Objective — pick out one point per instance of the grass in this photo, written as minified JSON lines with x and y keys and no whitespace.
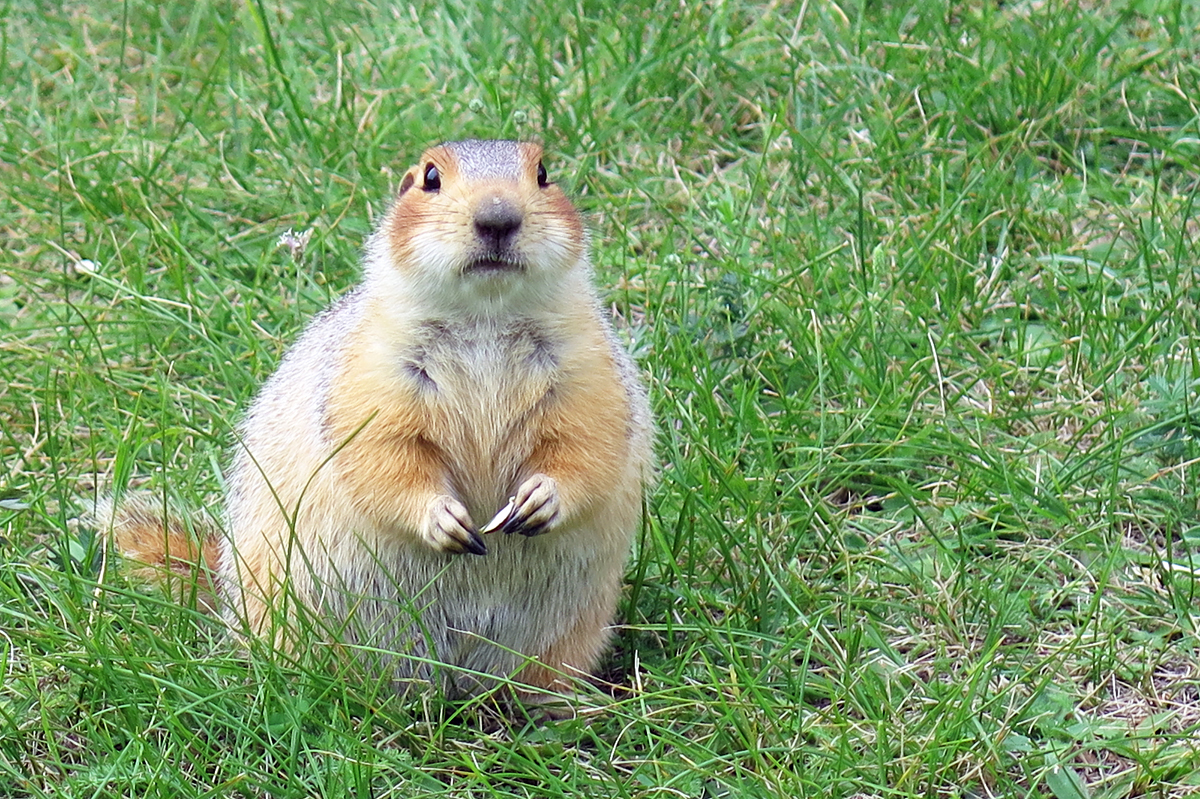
{"x":915,"y":291}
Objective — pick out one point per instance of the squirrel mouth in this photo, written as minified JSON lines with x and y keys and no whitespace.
{"x":493,"y":265}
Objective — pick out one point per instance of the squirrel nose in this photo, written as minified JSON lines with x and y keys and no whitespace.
{"x":496,"y":221}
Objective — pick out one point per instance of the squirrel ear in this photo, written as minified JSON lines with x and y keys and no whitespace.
{"x":406,"y":184}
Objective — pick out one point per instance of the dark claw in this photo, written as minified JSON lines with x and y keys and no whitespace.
{"x":475,"y":544}
{"x":527,"y":530}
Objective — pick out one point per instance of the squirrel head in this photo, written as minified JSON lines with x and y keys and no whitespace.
{"x":478,"y":225}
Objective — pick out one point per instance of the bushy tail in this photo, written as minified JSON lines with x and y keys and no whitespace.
{"x":176,"y":551}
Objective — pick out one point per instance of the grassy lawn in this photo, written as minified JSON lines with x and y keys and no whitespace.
{"x":916,"y":293}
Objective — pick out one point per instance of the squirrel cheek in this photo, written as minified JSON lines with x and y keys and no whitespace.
{"x":434,"y":256}
{"x":561,"y":245}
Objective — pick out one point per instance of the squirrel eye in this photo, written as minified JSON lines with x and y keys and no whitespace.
{"x":433,"y":179}
{"x":542,"y":180}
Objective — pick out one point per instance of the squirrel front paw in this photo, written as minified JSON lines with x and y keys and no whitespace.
{"x":533,"y":510}
{"x":449,"y":528}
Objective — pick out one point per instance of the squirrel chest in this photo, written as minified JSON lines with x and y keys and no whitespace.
{"x":475,"y":395}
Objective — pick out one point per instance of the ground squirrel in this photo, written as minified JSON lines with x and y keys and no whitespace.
{"x":448,"y":466}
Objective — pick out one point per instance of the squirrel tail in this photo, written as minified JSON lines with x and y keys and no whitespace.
{"x":176,"y":551}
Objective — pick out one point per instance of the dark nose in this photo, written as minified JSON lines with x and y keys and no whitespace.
{"x":497,"y":220}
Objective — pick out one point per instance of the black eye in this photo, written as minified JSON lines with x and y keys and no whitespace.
{"x":542,"y":181}
{"x":433,"y":179}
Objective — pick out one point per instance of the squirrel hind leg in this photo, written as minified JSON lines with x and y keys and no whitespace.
{"x":552,"y":681}
{"x":160,"y":545}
